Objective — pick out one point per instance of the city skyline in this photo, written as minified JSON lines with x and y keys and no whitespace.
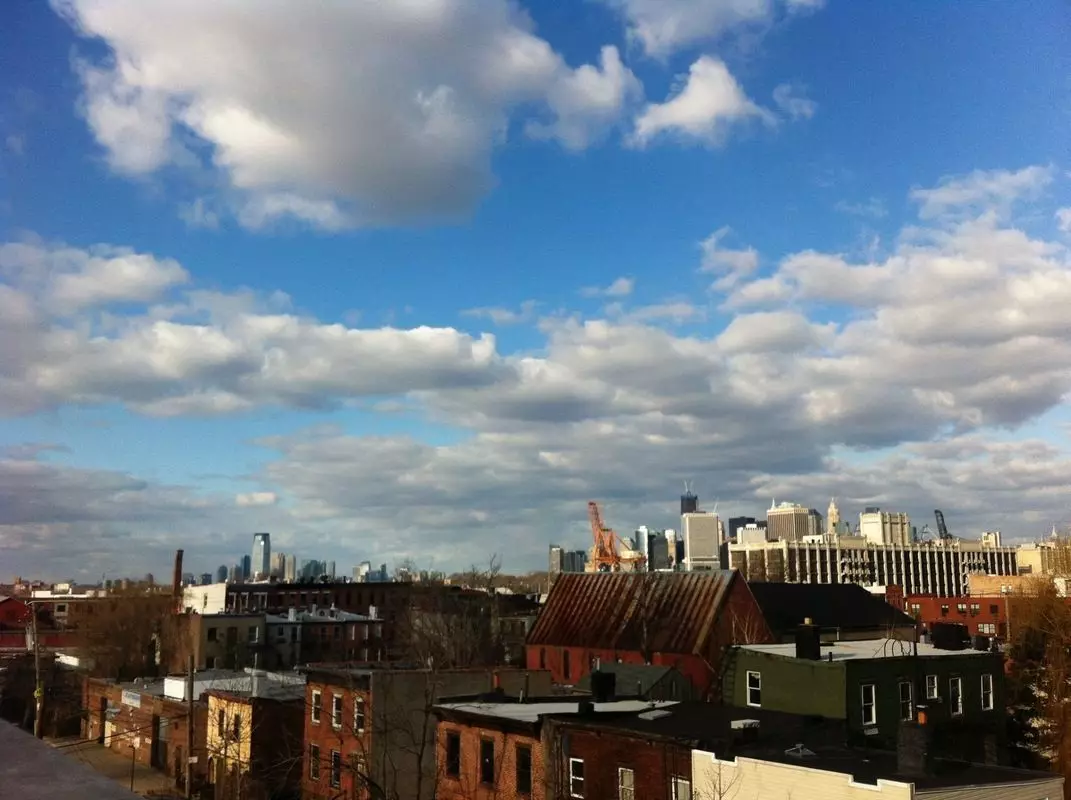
{"x":798,"y":250}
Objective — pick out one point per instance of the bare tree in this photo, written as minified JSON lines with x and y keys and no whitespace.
{"x":125,"y":633}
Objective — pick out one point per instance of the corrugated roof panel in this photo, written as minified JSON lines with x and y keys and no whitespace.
{"x":671,"y":612}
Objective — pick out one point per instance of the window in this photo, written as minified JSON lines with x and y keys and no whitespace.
{"x":336,"y":769}
{"x":576,"y":777}
{"x":336,"y":711}
{"x":566,"y":666}
{"x":944,"y":611}
{"x":487,"y":762}
{"x":961,"y":608}
{"x":955,"y":696}
{"x":682,"y":788}
{"x":931,"y":687}
{"x":542,"y":658}
{"x":987,"y":692}
{"x":994,"y":609}
{"x":626,"y":784}
{"x":869,"y":704}
{"x":976,"y":608}
{"x":453,"y":754}
{"x":254,"y":634}
{"x":221,"y":724}
{"x":236,"y":727}
{"x":754,"y":689}
{"x":360,"y":769}
{"x":317,"y":701}
{"x":314,"y":762}
{"x":524,"y":769}
{"x":358,"y":714}
{"x":211,"y":636}
{"x":907,"y":705}
{"x":988,"y":628}
{"x":915,"y":609}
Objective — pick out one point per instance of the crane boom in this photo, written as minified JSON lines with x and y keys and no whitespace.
{"x":605,"y":552}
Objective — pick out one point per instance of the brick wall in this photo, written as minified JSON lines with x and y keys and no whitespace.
{"x":467,"y":785}
{"x":604,"y":754}
{"x":354,"y":747}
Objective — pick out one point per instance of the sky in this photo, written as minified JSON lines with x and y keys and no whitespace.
{"x":417,"y":280}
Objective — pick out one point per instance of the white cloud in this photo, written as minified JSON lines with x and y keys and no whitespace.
{"x":199,"y":214}
{"x":995,"y":189}
{"x":703,"y":109}
{"x":731,"y":266}
{"x":792,"y":101}
{"x":620,"y":287}
{"x":334,"y":114}
{"x":1063,"y":219}
{"x":873,"y":208}
{"x":256,"y":499}
{"x":665,"y":26}
{"x":505,"y":316}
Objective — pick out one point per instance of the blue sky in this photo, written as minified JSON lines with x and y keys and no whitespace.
{"x":470,"y":160}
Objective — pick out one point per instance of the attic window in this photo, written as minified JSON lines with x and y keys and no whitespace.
{"x":799,"y":751}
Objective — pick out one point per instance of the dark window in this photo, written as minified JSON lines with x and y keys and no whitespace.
{"x":542,"y":658}
{"x":487,"y":761}
{"x":221,"y":724}
{"x":237,"y":727}
{"x":453,"y":754}
{"x":907,"y":705}
{"x":944,"y":611}
{"x":524,"y":769}
{"x":314,"y":762}
{"x":576,"y":777}
{"x":211,"y":634}
{"x":358,"y":714}
{"x":994,"y":610}
{"x":336,"y":768}
{"x":566,"y":665}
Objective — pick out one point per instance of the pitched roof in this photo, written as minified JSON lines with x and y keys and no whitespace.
{"x":629,"y":676}
{"x":845,"y":606}
{"x":673,"y":611}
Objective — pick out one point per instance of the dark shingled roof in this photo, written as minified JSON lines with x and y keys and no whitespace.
{"x":628,"y":676}
{"x":843,"y":606}
{"x":609,"y":611}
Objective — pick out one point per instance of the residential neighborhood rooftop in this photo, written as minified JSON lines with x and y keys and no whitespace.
{"x":532,"y":712}
{"x":863,"y":649}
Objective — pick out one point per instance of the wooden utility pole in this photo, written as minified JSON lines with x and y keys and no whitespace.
{"x":39,"y":689}
{"x":189,"y":726}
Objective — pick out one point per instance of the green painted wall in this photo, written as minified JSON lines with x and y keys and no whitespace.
{"x":789,"y":684}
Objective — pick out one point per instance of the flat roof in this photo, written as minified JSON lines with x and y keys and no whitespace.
{"x":34,"y":770}
{"x":531,"y":712}
{"x":864,"y":649}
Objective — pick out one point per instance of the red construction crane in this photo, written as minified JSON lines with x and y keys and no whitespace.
{"x":605,"y":556}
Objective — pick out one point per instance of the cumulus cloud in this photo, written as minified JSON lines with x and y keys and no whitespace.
{"x":664,"y":26}
{"x":703,"y":109}
{"x":1063,"y":219}
{"x":333,"y":114}
{"x":731,"y":266}
{"x":872,"y":208}
{"x":256,"y":499}
{"x":505,"y":316}
{"x":793,"y":102}
{"x":620,"y":287}
{"x":993,"y":189}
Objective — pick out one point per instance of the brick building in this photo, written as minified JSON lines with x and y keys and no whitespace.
{"x":14,"y":614}
{"x":842,"y":611}
{"x":985,"y":616}
{"x":376,"y":725}
{"x":682,"y":620}
{"x":148,"y":718}
{"x":491,"y":749}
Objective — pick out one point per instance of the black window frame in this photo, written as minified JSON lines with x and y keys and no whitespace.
{"x":523,"y":768}
{"x":487,"y":761}
{"x":453,"y":754}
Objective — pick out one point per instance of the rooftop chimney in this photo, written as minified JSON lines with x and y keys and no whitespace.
{"x":808,"y":641}
{"x":603,"y":686}
{"x":914,"y":745}
{"x":176,"y":578}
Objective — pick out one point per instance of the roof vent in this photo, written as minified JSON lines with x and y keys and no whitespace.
{"x":800,"y":751}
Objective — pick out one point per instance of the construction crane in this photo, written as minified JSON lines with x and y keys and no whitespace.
{"x":608,"y":552}
{"x":942,"y":529}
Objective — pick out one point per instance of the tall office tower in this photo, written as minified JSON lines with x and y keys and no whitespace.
{"x":245,"y":568}
{"x":331,"y":570}
{"x":278,"y":565}
{"x":206,"y":578}
{"x":671,"y":547}
{"x":290,"y":569}
{"x":788,"y":521}
{"x":885,"y":527}
{"x":735,"y":523}
{"x":657,"y":551}
{"x":703,"y":535}
{"x":360,"y":572}
{"x":221,"y":573}
{"x":689,"y":502}
{"x":235,"y":573}
{"x":261,"y":555}
{"x":832,"y":519}
{"x":556,"y":559}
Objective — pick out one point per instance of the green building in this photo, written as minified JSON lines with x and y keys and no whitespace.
{"x":874,"y":685}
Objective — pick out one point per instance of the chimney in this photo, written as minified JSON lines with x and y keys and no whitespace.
{"x":496,"y":680}
{"x":603,"y":686}
{"x":525,"y":691}
{"x":914,"y":746}
{"x":808,"y":641}
{"x":176,"y":578}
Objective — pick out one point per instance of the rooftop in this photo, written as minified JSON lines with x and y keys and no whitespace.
{"x":863,"y":649}
{"x":532,"y":712}
{"x":40,"y":772}
{"x":841,"y":606}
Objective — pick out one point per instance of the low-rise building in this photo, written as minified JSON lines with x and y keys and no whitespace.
{"x":221,"y":641}
{"x":982,"y":616}
{"x":874,"y":685}
{"x":841,"y":611}
{"x":371,"y":729}
{"x":321,"y":635}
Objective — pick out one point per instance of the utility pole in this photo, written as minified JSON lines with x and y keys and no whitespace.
{"x":189,"y":726}
{"x":39,"y":689}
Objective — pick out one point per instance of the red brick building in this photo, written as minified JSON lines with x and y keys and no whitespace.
{"x":14,"y":614}
{"x":682,"y":620}
{"x":987,"y":616}
{"x":376,"y":725}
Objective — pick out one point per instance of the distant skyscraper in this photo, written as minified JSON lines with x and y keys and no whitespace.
{"x":360,"y":572}
{"x":261,"y":555}
{"x":221,"y":573}
{"x":331,"y":570}
{"x":790,"y":521}
{"x":278,"y":565}
{"x":206,"y":578}
{"x":556,"y":556}
{"x":245,"y":568}
{"x":290,"y":572}
{"x":235,"y":572}
{"x":689,"y":501}
{"x":832,"y":518}
{"x":703,"y":535}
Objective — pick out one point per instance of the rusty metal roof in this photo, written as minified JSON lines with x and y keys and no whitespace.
{"x":674,"y":611}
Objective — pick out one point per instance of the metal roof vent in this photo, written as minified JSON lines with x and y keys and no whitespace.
{"x":799,"y":751}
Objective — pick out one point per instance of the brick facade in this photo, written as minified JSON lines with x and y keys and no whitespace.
{"x":987,"y":616}
{"x":462,"y":779}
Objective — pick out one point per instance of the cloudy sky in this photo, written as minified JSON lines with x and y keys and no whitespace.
{"x":420,"y":278}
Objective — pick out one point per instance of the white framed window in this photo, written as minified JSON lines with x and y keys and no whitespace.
{"x":907,"y":701}
{"x":576,"y":777}
{"x":987,"y":692}
{"x":336,"y":769}
{"x":336,"y":711}
{"x":869,"y":704}
{"x":358,"y":714}
{"x":754,"y":689}
{"x":955,"y":696}
{"x":681,"y":788}
{"x":931,"y":687}
{"x":626,"y":784}
{"x":317,"y":704}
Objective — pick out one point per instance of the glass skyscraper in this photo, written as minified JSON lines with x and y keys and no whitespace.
{"x":261,"y":566}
